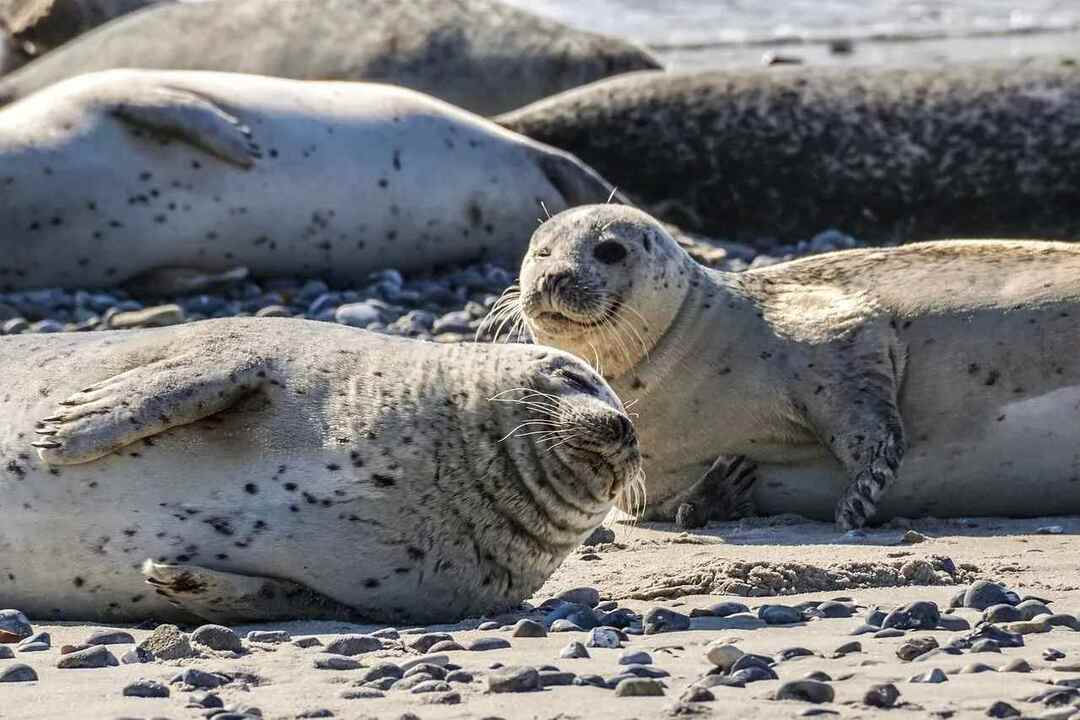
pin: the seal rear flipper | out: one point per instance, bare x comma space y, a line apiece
171, 281
145, 401
224, 597
190, 117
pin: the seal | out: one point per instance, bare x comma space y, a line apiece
38, 26
260, 468
116, 174
482, 55
957, 358
776, 156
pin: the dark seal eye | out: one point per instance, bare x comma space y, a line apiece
609, 252
579, 383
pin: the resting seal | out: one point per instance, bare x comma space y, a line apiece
37, 26
115, 174
283, 468
885, 154
482, 55
958, 358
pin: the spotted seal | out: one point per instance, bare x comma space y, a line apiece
778, 155
36, 26
115, 174
482, 55
957, 358
286, 468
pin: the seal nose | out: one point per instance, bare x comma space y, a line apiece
626, 429
555, 281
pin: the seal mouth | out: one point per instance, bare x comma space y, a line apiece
556, 320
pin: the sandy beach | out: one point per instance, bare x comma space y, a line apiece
648, 567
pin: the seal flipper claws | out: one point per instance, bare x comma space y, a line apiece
195, 119
722, 493
144, 401
224, 597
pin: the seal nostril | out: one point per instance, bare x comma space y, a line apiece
625, 427
609, 252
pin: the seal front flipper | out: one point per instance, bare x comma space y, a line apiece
190, 117
224, 597
723, 493
145, 401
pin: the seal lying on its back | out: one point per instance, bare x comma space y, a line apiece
115, 174
482, 55
959, 357
782, 154
37, 26
283, 468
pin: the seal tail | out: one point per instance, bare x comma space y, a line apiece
578, 183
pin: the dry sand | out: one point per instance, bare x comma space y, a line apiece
669, 569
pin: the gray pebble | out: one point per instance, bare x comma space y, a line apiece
848, 648
695, 694
307, 642
564, 625
216, 637
423, 643
975, 668
17, 673
587, 596
574, 651
810, 691
357, 694
933, 676
192, 678
97, 656
272, 637
446, 646
429, 686
14, 626
136, 656
639, 687
526, 628
1031, 609
600, 536
146, 689
167, 643
889, 633
983, 594
514, 679
335, 662
662, 620
110, 637
1001, 709
556, 678
635, 657
436, 671
882, 696
603, 637
985, 646
1017, 665
353, 645
488, 643
779, 615
792, 653
460, 676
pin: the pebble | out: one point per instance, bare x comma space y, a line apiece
335, 662
696, 694
889, 633
599, 536
424, 642
832, 609
1002, 613
6, 653
1002, 709
353, 645
635, 657
436, 671
639, 687
514, 679
167, 643
357, 694
848, 648
983, 594
216, 637
920, 615
587, 596
930, 676
603, 637
146, 689
574, 651
915, 647
136, 656
160, 316
307, 642
408, 683
556, 678
975, 668
488, 643
26, 646
881, 696
446, 646
722, 655
810, 691
1027, 627
564, 625
193, 678
1063, 620
14, 626
1031, 609
1052, 654
526, 628
661, 620
779, 615
792, 653
1018, 665
97, 656
434, 659
430, 686
270, 637
17, 673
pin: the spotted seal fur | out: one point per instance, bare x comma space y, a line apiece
482, 55
116, 174
284, 468
935, 378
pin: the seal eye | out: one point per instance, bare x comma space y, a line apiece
609, 252
543, 252
579, 383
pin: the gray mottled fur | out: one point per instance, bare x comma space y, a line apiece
281, 468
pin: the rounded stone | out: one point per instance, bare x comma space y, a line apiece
587, 596
563, 625
723, 655
662, 620
983, 593
488, 643
269, 637
635, 657
639, 687
915, 647
514, 679
167, 643
1001, 709
810, 691
14, 626
933, 676
526, 628
779, 615
1002, 613
146, 689
1017, 665
335, 662
350, 645
574, 651
192, 678
1031, 609
18, 673
881, 696
97, 656
216, 637
603, 637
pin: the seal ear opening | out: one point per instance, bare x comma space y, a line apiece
578, 183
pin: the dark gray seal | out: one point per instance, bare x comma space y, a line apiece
282, 468
779, 155
934, 379
482, 55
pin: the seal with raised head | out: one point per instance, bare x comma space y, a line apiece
284, 468
779, 155
937, 378
115, 174
483, 55
37, 26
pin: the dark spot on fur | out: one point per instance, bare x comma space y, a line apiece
415, 553
992, 377
78, 582
371, 583
251, 488
383, 481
